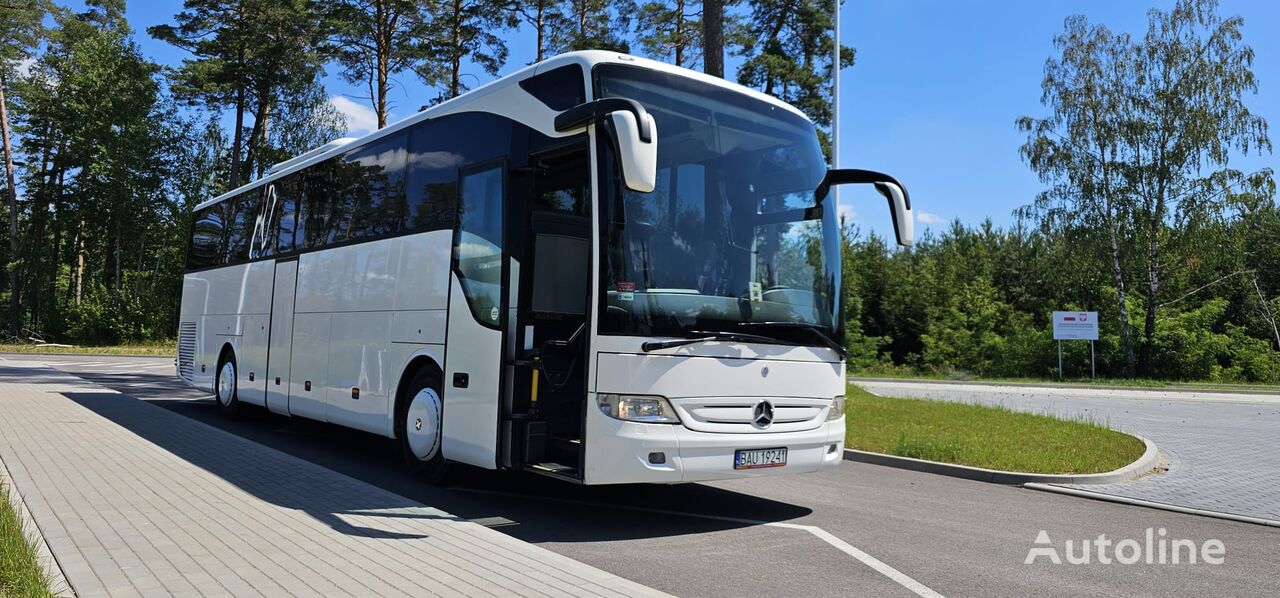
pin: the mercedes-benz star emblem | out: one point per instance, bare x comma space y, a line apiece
762, 415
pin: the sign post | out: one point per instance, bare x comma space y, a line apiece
1076, 326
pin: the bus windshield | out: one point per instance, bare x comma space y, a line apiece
733, 238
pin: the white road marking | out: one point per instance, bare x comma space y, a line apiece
879, 566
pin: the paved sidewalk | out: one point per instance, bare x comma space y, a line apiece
1220, 448
133, 499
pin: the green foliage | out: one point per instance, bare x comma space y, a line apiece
671, 30
787, 47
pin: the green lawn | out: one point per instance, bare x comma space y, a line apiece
155, 349
20, 572
1081, 382
982, 436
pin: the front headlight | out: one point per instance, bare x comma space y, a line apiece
837, 409
648, 409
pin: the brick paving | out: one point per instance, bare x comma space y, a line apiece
133, 499
1220, 448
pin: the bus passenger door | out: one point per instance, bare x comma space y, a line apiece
473, 353
280, 343
547, 408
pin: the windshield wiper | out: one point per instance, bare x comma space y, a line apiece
817, 330
712, 335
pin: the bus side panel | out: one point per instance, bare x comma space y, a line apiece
355, 285
254, 315
422, 274
421, 306
218, 301
359, 359
309, 365
351, 278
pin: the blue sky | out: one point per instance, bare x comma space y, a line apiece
931, 100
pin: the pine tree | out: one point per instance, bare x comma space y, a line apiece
248, 54
20, 31
787, 46
464, 32
374, 40
671, 30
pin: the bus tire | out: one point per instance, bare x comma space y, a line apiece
225, 389
419, 419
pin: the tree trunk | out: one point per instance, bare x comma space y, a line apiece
454, 82
383, 31
679, 33
14, 305
713, 37
79, 277
539, 25
257, 135
237, 138
1126, 335
1153, 279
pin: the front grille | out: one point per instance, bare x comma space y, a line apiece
736, 414
186, 350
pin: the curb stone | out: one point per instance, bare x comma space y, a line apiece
1149, 460
53, 571
1151, 504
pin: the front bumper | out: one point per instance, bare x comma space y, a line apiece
620, 452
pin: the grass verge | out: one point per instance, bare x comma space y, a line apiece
984, 436
1141, 383
20, 571
155, 349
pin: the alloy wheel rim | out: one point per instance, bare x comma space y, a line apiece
226, 383
422, 424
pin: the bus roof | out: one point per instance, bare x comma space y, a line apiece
586, 58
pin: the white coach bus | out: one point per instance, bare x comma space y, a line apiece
600, 268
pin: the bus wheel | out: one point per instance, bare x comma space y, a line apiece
419, 416
224, 389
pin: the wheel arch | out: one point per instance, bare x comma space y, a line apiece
422, 359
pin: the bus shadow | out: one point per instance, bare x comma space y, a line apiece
526, 506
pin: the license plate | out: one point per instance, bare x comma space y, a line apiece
757, 458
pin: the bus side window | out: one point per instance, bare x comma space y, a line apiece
285, 219
431, 183
478, 246
316, 219
369, 189
206, 238
239, 213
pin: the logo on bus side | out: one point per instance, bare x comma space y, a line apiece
262, 224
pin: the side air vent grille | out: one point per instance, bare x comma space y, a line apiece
186, 349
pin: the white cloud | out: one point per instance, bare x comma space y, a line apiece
24, 66
846, 213
924, 217
360, 118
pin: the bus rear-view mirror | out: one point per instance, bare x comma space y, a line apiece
639, 158
889, 187
635, 137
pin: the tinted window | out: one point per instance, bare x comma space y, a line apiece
318, 223
239, 213
559, 88
438, 148
288, 204
368, 190
206, 238
479, 243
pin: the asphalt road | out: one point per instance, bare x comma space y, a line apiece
858, 530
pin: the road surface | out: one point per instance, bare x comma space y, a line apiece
858, 530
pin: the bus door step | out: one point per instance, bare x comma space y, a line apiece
555, 468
